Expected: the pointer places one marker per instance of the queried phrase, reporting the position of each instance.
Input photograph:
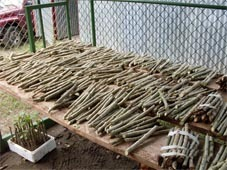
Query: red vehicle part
(13, 23)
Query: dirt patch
(73, 152)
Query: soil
(72, 152)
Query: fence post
(68, 20)
(93, 23)
(30, 29)
(41, 25)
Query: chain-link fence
(196, 36)
(13, 28)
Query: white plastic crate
(36, 155)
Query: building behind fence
(197, 36)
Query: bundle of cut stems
(180, 150)
(121, 94)
(208, 108)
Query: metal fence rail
(28, 12)
(195, 33)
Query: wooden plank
(147, 154)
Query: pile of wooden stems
(116, 93)
(208, 108)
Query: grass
(24, 47)
(9, 110)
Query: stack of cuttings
(204, 161)
(176, 71)
(176, 100)
(222, 82)
(220, 159)
(96, 77)
(102, 107)
(181, 149)
(219, 124)
(208, 108)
